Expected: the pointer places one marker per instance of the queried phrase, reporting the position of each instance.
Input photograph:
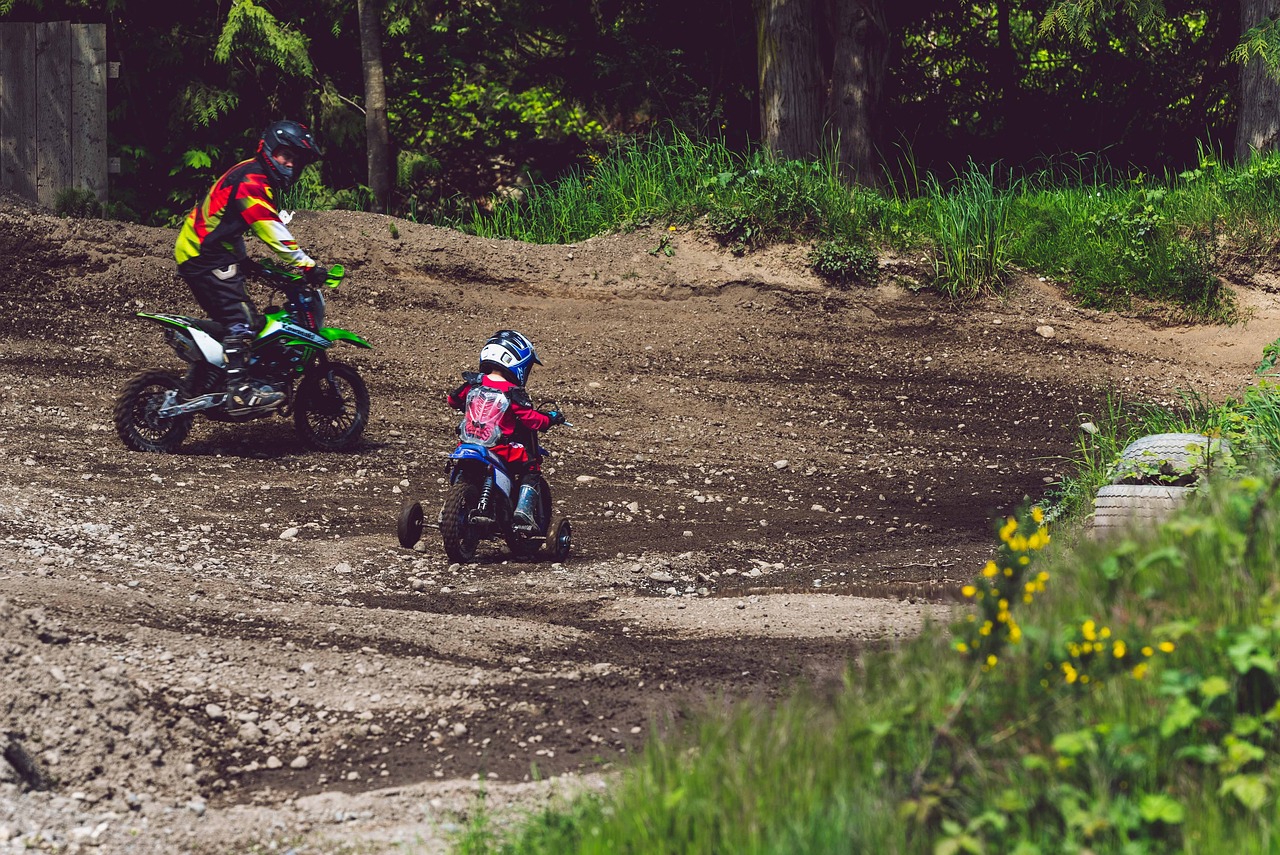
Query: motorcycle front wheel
(331, 408)
(135, 414)
(459, 537)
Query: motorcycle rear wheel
(331, 416)
(137, 424)
(409, 524)
(459, 537)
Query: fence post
(53, 111)
(18, 109)
(89, 108)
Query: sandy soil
(226, 648)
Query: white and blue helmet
(511, 353)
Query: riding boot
(243, 393)
(525, 516)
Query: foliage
(74, 202)
(970, 226)
(843, 263)
(251, 28)
(1123, 698)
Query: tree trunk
(791, 92)
(1258, 125)
(375, 102)
(857, 81)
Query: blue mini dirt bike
(327, 399)
(483, 499)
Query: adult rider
(211, 253)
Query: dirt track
(226, 646)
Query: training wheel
(560, 540)
(409, 525)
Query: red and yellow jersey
(213, 234)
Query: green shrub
(735, 229)
(844, 263)
(78, 203)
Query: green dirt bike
(328, 400)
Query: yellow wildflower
(962, 647)
(1089, 630)
(1038, 515)
(1147, 651)
(968, 590)
(990, 570)
(1105, 632)
(1139, 670)
(1118, 649)
(991, 661)
(1165, 646)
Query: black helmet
(295, 136)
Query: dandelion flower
(1038, 515)
(968, 590)
(1147, 651)
(1165, 646)
(1139, 670)
(1118, 649)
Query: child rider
(505, 362)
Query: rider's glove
(314, 276)
(557, 417)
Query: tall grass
(971, 228)
(1113, 240)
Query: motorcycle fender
(337, 334)
(466, 453)
(191, 343)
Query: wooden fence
(53, 109)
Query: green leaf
(1182, 714)
(1157, 807)
(1074, 744)
(1213, 687)
(1249, 790)
(1240, 754)
(196, 159)
(1205, 754)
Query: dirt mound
(226, 647)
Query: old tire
(459, 539)
(560, 540)
(331, 408)
(135, 417)
(1184, 453)
(409, 524)
(1119, 507)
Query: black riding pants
(222, 295)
